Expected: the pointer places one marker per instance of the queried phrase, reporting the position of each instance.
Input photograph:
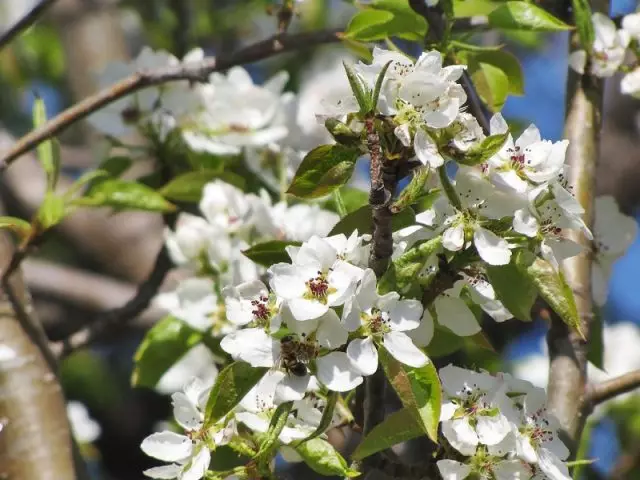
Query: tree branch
(601, 392)
(567, 348)
(194, 72)
(110, 321)
(25, 22)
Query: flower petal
(492, 249)
(363, 355)
(452, 470)
(199, 464)
(461, 435)
(165, 472)
(400, 345)
(422, 335)
(405, 315)
(454, 314)
(167, 446)
(337, 373)
(492, 429)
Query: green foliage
(418, 389)
(491, 82)
(525, 16)
(472, 8)
(327, 416)
(584, 24)
(322, 458)
(20, 227)
(278, 422)
(552, 287)
(514, 289)
(166, 343)
(362, 220)
(385, 19)
(231, 386)
(188, 187)
(487, 149)
(413, 191)
(324, 169)
(342, 133)
(444, 341)
(352, 199)
(359, 88)
(49, 150)
(398, 427)
(125, 195)
(51, 211)
(269, 253)
(403, 272)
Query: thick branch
(25, 22)
(567, 348)
(195, 72)
(108, 322)
(609, 389)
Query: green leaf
(49, 150)
(322, 458)
(514, 289)
(124, 195)
(491, 82)
(584, 23)
(375, 96)
(270, 253)
(487, 149)
(472, 47)
(525, 16)
(84, 179)
(51, 211)
(472, 8)
(406, 23)
(552, 287)
(444, 341)
(413, 191)
(505, 61)
(188, 186)
(398, 427)
(324, 169)
(359, 49)
(342, 133)
(116, 165)
(404, 271)
(418, 389)
(20, 227)
(362, 220)
(327, 416)
(278, 422)
(166, 343)
(232, 384)
(358, 88)
(596, 340)
(369, 25)
(352, 198)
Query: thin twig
(194, 72)
(609, 389)
(25, 22)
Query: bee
(295, 356)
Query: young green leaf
(505, 61)
(406, 22)
(398, 427)
(359, 88)
(491, 82)
(324, 169)
(85, 179)
(188, 186)
(474, 8)
(124, 195)
(514, 289)
(20, 227)
(352, 198)
(418, 389)
(369, 25)
(278, 422)
(404, 271)
(269, 253)
(327, 417)
(322, 458)
(525, 16)
(487, 149)
(49, 150)
(232, 384)
(166, 343)
(413, 191)
(52, 210)
(342, 133)
(376, 90)
(584, 24)
(552, 287)
(362, 220)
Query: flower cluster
(610, 49)
(501, 426)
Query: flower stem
(448, 188)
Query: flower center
(517, 158)
(261, 311)
(377, 322)
(318, 288)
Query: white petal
(363, 354)
(454, 314)
(422, 335)
(405, 315)
(336, 372)
(351, 315)
(552, 466)
(578, 60)
(402, 348)
(167, 446)
(166, 472)
(402, 133)
(492, 429)
(426, 150)
(447, 411)
(286, 281)
(498, 124)
(524, 449)
(257, 423)
(453, 237)
(452, 470)
(367, 294)
(461, 435)
(292, 388)
(512, 470)
(252, 345)
(492, 249)
(198, 466)
(331, 333)
(303, 309)
(185, 412)
(525, 223)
